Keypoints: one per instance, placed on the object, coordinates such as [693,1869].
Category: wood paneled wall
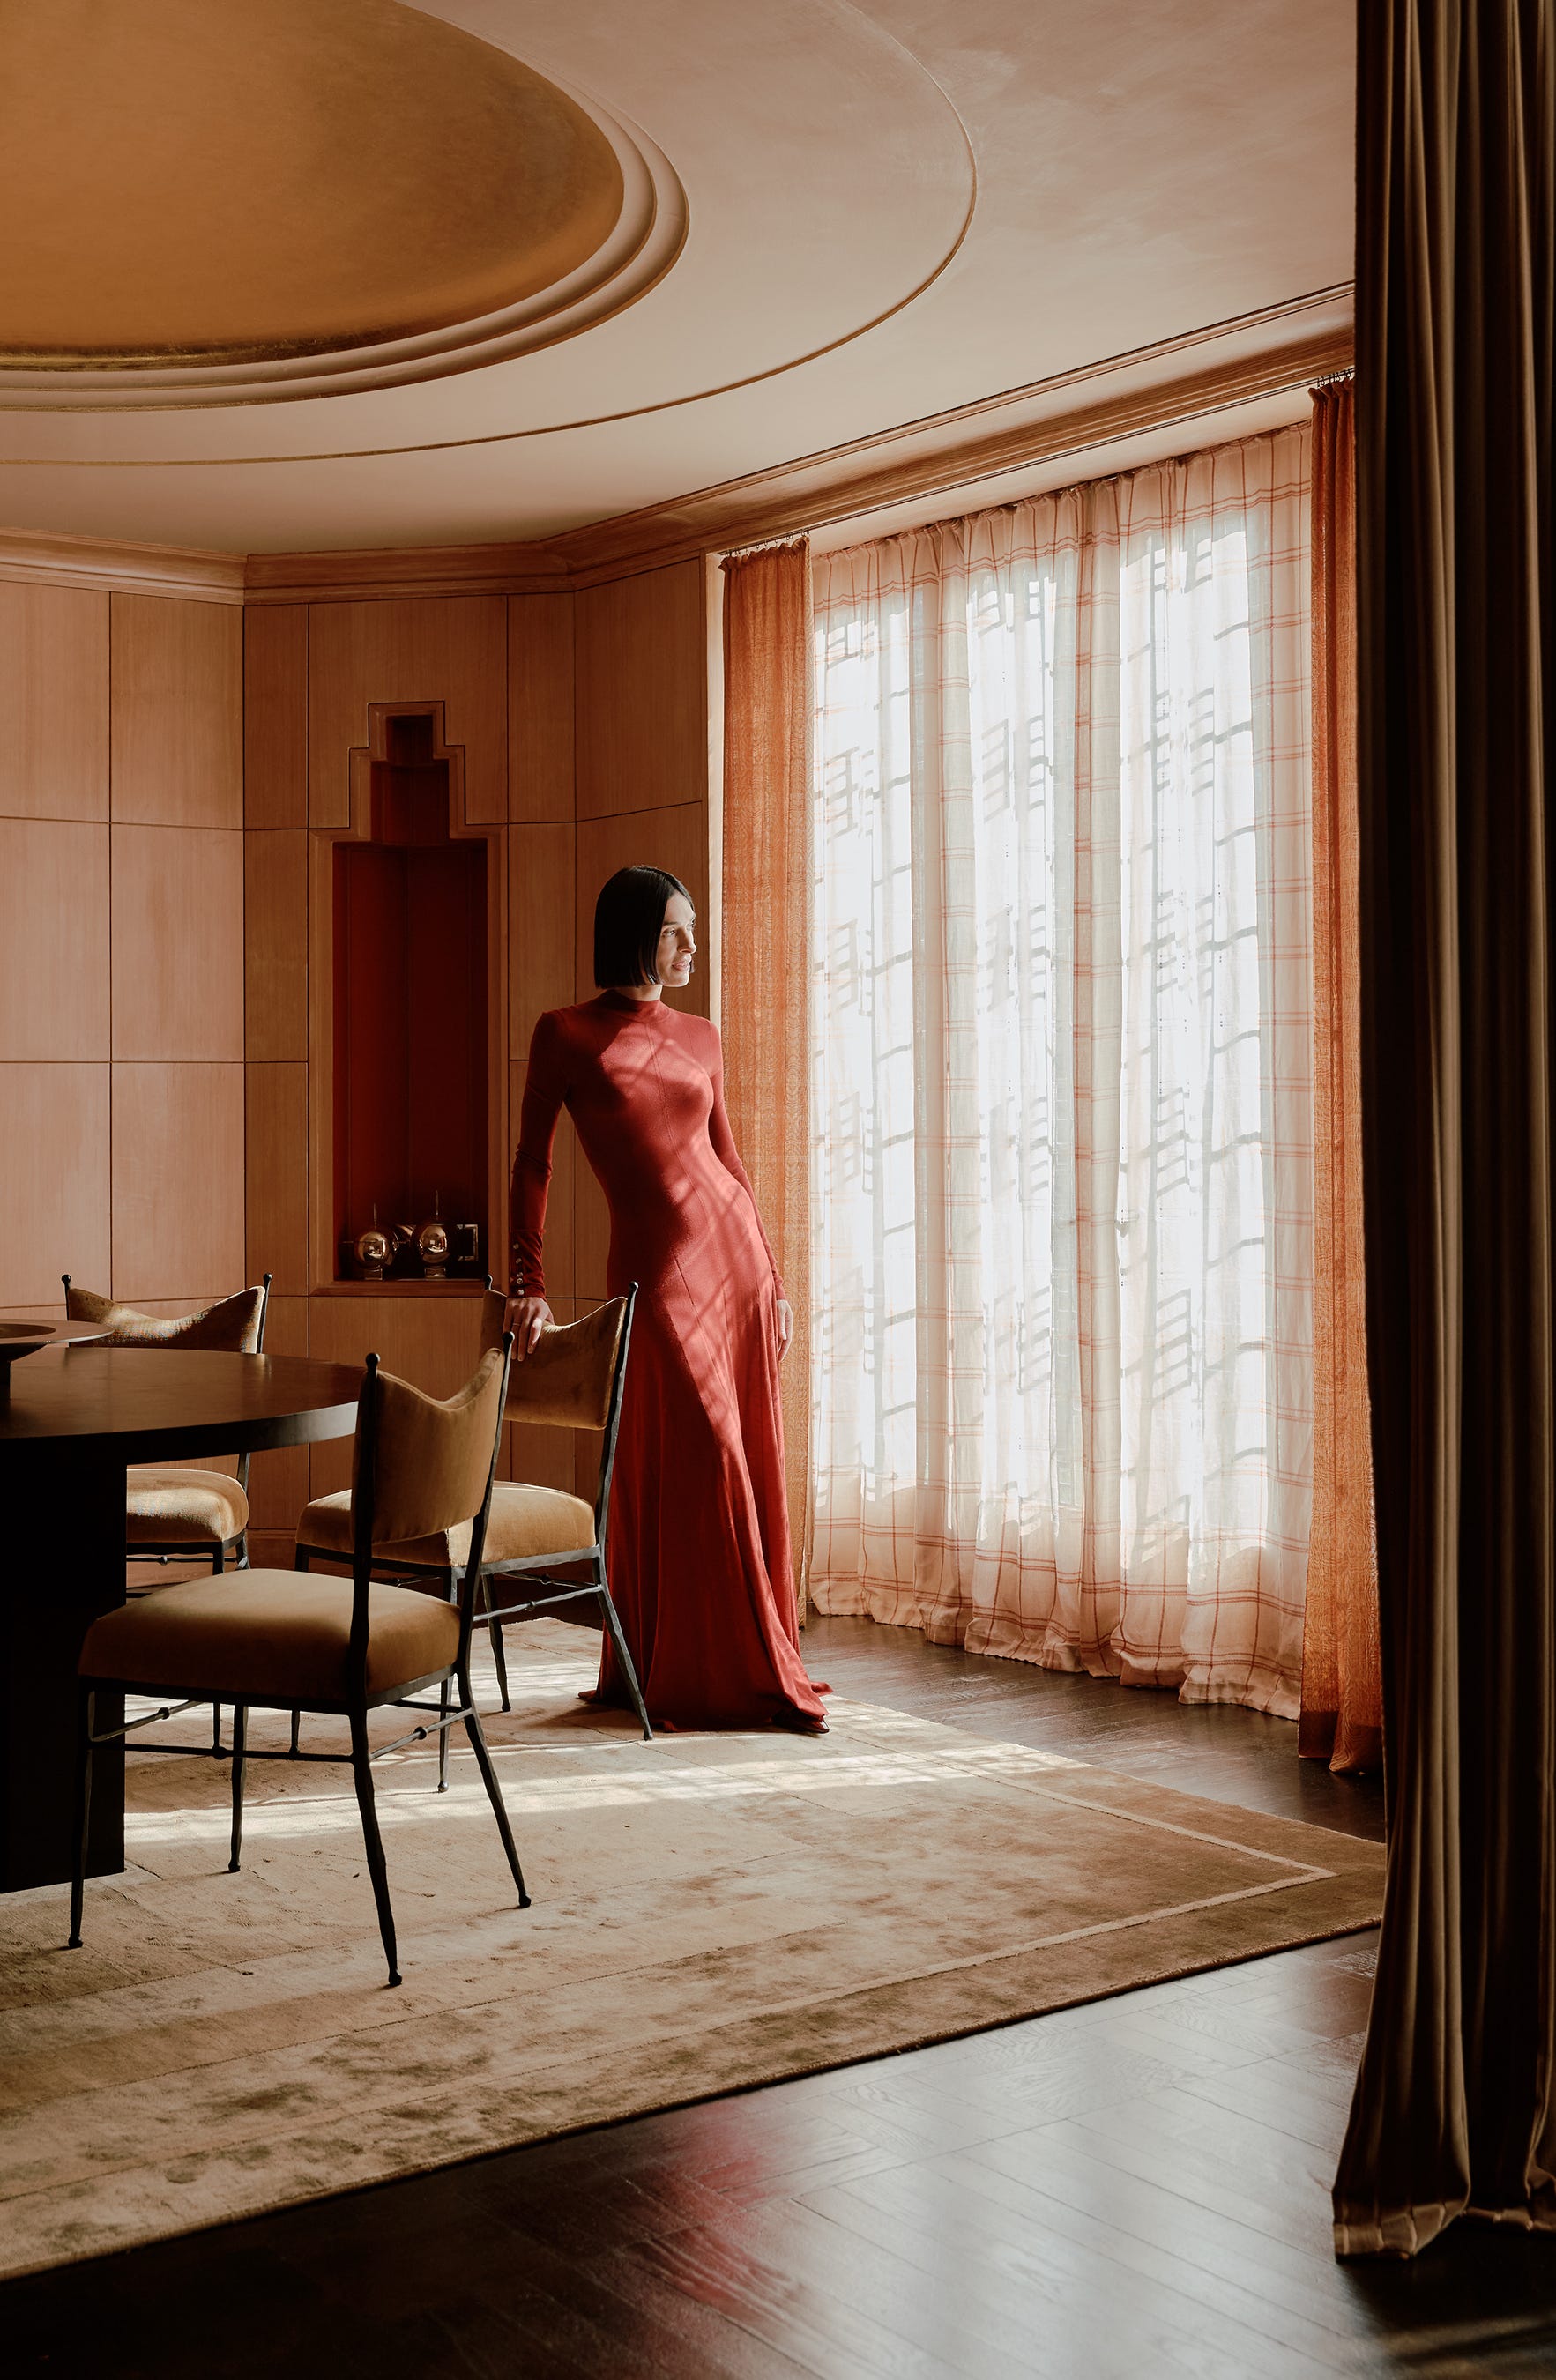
[583,718]
[121,946]
[173,771]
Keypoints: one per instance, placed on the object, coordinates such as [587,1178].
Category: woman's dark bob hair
[628,918]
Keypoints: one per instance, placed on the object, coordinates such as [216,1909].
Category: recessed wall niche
[410,898]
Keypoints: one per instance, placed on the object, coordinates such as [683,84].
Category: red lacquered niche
[411,978]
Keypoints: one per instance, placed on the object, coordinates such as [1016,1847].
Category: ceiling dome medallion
[237,201]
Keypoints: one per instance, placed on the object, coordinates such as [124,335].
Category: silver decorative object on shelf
[370,1251]
[431,1246]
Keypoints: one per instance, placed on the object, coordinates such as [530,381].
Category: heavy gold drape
[1457,301]
[765,948]
[1341,1683]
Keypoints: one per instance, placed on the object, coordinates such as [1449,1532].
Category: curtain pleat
[1456,301]
[764,947]
[1342,1678]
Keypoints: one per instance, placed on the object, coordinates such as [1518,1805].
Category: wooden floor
[1136,2186]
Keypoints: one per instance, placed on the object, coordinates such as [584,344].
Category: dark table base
[62,1561]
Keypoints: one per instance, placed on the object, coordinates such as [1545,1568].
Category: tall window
[1060,1077]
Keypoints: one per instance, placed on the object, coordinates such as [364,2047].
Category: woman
[699,1532]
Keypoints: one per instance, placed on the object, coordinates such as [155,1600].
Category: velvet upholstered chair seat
[522,1522]
[270,1634]
[206,1507]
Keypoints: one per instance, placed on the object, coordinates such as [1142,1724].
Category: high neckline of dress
[622,1003]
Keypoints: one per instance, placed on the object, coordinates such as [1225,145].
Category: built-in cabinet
[413,970]
[415,987]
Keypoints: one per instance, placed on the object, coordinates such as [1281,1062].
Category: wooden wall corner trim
[713,698]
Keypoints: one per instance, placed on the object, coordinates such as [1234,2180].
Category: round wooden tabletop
[151,1404]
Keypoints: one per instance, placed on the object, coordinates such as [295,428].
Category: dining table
[76,1417]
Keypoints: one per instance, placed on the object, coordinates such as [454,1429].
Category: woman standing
[700,1532]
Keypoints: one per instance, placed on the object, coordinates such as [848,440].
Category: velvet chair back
[434,1455]
[233,1325]
[568,1379]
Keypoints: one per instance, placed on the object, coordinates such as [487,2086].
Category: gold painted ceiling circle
[198,183]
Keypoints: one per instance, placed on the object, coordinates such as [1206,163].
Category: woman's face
[678,943]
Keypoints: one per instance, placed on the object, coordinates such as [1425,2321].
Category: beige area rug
[710,1912]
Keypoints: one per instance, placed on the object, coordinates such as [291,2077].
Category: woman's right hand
[526,1318]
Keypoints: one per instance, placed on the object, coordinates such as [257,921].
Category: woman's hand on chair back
[526,1318]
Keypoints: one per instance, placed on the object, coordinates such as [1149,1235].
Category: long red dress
[698,1539]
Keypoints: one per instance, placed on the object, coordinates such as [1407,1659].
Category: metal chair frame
[190,1550]
[540,1569]
[353,1707]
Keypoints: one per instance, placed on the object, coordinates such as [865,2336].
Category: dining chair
[273,1640]
[572,1380]
[176,1513]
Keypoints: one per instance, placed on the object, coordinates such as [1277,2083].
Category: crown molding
[377,575]
[1124,397]
[1269,353]
[113,567]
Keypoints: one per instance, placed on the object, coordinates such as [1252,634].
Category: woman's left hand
[785,1327]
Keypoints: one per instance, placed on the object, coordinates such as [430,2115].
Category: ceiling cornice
[1148,389]
[1278,348]
[113,566]
[368,575]
[850,481]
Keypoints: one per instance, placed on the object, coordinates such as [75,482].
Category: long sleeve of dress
[728,1154]
[545,1088]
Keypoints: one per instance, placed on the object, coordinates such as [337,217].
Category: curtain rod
[825,519]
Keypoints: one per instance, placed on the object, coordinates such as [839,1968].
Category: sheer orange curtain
[1341,1680]
[765,943]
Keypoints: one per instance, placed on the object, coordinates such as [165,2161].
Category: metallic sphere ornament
[370,1251]
[431,1246]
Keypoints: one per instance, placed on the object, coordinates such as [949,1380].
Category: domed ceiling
[275,178]
[279,274]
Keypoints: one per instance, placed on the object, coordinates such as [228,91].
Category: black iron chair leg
[499,1651]
[623,1660]
[86,1720]
[300,1561]
[298,1565]
[373,1842]
[216,1729]
[489,1779]
[444,1733]
[239,1743]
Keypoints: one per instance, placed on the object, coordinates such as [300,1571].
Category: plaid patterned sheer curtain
[1062,1077]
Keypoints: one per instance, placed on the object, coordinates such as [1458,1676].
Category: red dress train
[698,1539]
